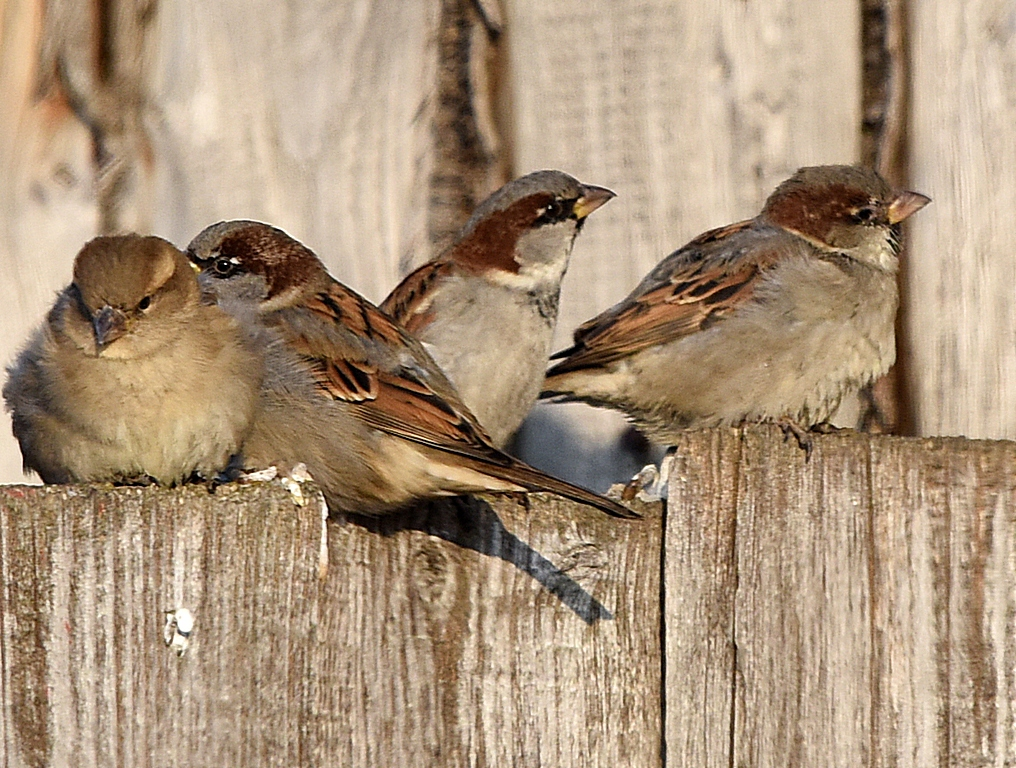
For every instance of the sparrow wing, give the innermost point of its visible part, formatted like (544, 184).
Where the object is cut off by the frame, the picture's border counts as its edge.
(410, 302)
(360, 356)
(689, 290)
(404, 393)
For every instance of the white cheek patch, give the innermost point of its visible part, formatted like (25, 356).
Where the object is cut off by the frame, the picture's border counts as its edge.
(542, 254)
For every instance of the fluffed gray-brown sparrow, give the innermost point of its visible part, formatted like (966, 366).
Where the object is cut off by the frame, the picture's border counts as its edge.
(348, 392)
(486, 308)
(131, 377)
(775, 318)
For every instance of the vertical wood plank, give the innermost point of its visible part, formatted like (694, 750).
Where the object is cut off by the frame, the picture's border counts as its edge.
(802, 614)
(316, 117)
(48, 205)
(962, 319)
(944, 604)
(534, 640)
(700, 584)
(692, 112)
(87, 578)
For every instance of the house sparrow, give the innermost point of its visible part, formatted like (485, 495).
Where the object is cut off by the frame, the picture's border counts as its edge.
(132, 377)
(775, 318)
(486, 308)
(347, 391)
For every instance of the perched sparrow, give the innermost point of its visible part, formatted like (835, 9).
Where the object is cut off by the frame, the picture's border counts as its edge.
(776, 318)
(486, 308)
(347, 391)
(131, 376)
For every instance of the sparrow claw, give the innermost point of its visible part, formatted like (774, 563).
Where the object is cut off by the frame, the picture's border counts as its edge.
(825, 428)
(804, 439)
(649, 484)
(231, 473)
(293, 482)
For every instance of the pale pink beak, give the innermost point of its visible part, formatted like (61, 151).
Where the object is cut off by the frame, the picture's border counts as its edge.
(592, 198)
(906, 204)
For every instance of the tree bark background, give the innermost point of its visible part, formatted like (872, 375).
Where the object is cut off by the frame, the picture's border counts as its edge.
(369, 130)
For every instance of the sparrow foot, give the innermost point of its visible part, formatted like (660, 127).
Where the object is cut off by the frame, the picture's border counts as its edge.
(825, 428)
(649, 484)
(260, 476)
(802, 435)
(293, 482)
(231, 473)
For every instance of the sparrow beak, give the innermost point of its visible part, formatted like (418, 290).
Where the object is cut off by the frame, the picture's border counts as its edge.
(592, 198)
(906, 204)
(109, 324)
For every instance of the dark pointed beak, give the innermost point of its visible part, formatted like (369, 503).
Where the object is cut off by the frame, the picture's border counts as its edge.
(109, 324)
(592, 198)
(906, 204)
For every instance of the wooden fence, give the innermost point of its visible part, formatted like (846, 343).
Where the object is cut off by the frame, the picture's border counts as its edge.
(856, 609)
(370, 128)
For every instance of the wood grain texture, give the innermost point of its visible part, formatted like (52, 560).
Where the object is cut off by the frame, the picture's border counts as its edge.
(700, 581)
(855, 609)
(531, 639)
(88, 575)
(519, 632)
(944, 554)
(316, 117)
(692, 113)
(48, 204)
(962, 317)
(803, 627)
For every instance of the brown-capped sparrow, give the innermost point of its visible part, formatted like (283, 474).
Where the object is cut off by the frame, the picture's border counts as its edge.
(775, 318)
(486, 308)
(348, 392)
(131, 377)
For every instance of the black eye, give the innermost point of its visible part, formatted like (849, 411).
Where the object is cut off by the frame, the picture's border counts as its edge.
(554, 211)
(145, 303)
(224, 267)
(865, 215)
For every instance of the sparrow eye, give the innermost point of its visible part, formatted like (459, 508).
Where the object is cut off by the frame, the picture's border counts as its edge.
(865, 215)
(145, 303)
(224, 267)
(554, 211)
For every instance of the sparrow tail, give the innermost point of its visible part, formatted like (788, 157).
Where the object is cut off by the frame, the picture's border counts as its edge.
(534, 480)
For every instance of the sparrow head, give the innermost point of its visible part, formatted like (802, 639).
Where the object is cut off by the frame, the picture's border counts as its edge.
(528, 226)
(844, 209)
(127, 289)
(252, 261)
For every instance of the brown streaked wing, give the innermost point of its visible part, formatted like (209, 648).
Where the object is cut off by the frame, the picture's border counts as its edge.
(399, 402)
(338, 304)
(408, 407)
(408, 303)
(683, 299)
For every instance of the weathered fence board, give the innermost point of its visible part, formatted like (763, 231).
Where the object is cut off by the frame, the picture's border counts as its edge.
(464, 634)
(962, 316)
(315, 116)
(855, 609)
(87, 578)
(700, 582)
(945, 552)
